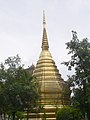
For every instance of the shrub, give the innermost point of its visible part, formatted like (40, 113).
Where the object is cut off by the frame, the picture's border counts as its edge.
(69, 113)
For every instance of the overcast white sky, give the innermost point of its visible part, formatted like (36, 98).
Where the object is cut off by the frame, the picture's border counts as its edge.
(21, 28)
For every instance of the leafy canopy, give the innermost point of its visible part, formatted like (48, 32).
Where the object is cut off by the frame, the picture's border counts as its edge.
(18, 89)
(80, 81)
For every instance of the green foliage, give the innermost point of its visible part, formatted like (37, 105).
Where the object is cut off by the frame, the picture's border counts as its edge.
(69, 113)
(20, 115)
(80, 61)
(18, 89)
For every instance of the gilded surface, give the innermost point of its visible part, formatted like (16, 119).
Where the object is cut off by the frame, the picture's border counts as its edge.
(53, 89)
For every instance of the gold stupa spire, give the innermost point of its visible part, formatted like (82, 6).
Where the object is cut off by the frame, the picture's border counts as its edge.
(53, 90)
(45, 45)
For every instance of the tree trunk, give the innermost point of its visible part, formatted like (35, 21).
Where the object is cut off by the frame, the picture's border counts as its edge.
(13, 115)
(27, 114)
(4, 115)
(0, 115)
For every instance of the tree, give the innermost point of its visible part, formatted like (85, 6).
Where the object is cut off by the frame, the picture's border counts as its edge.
(18, 89)
(69, 113)
(80, 61)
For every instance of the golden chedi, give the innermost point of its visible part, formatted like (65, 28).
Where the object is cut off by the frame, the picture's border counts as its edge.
(53, 89)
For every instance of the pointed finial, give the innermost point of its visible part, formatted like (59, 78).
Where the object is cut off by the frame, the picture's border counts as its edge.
(44, 21)
(45, 45)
